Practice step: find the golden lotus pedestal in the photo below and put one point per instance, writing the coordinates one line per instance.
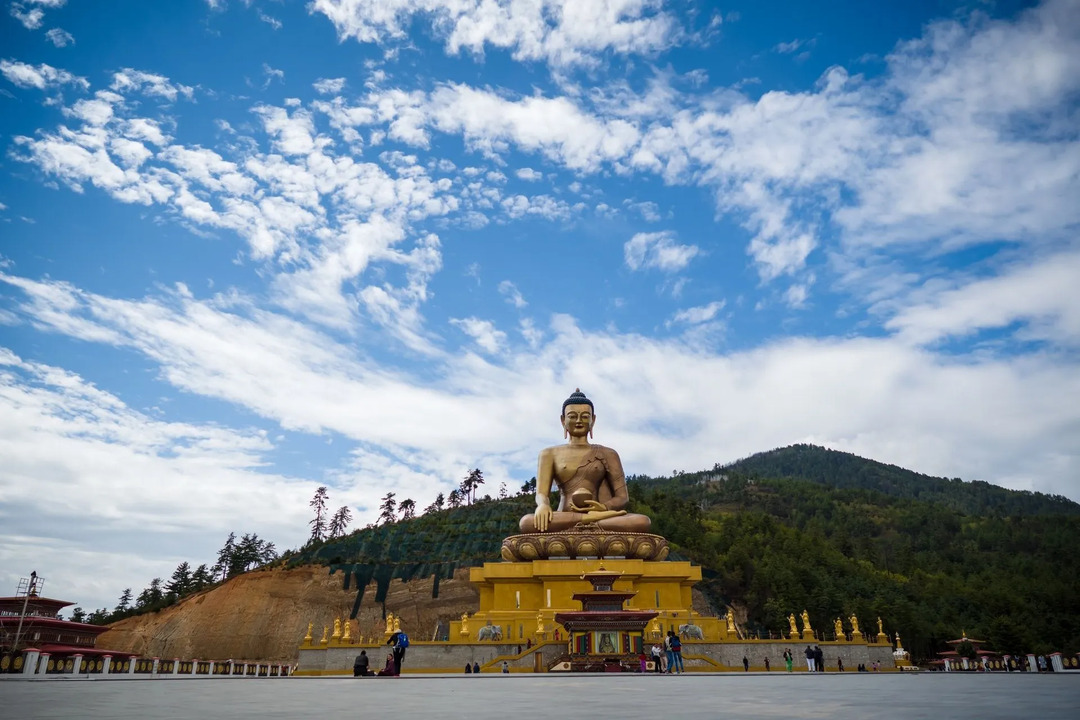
(588, 542)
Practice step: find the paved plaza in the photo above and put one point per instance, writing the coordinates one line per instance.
(776, 695)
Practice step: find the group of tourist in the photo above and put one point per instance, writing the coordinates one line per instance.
(399, 643)
(667, 658)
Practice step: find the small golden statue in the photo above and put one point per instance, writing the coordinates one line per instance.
(389, 623)
(839, 628)
(655, 627)
(592, 486)
(325, 634)
(807, 631)
(880, 627)
(854, 625)
(337, 629)
(307, 638)
(464, 623)
(731, 623)
(397, 624)
(794, 630)
(540, 630)
(346, 635)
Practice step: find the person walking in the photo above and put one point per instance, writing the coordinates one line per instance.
(506, 668)
(767, 667)
(840, 664)
(745, 664)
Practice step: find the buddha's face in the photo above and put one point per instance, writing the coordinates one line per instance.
(578, 419)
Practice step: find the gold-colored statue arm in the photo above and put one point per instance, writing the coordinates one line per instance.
(545, 471)
(617, 481)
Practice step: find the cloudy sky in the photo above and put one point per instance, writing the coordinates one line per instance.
(252, 247)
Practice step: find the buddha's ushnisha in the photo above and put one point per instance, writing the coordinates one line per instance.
(592, 486)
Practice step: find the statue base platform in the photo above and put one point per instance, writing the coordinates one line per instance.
(518, 596)
(584, 541)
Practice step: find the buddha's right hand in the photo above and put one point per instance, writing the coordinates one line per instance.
(542, 517)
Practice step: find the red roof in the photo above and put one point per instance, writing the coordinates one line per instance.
(37, 621)
(15, 604)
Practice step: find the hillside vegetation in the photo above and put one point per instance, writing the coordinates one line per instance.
(805, 527)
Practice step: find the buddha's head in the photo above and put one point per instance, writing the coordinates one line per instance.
(577, 416)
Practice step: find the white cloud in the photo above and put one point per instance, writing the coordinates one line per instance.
(559, 32)
(269, 20)
(698, 315)
(130, 80)
(657, 250)
(483, 332)
(1042, 295)
(39, 76)
(513, 296)
(529, 175)
(656, 398)
(59, 37)
(329, 86)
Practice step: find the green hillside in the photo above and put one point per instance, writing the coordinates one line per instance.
(932, 557)
(844, 470)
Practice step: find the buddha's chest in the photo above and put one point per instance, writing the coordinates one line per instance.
(581, 462)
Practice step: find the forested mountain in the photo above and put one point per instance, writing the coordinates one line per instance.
(780, 545)
(844, 470)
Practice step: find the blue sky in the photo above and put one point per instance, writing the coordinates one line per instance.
(249, 248)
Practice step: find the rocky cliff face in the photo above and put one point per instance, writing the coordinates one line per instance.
(263, 615)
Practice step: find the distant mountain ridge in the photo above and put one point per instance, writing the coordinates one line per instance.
(844, 470)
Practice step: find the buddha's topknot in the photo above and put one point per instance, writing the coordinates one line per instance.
(577, 398)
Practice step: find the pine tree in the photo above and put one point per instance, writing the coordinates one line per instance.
(225, 557)
(473, 480)
(387, 511)
(437, 505)
(454, 500)
(78, 615)
(407, 508)
(124, 604)
(318, 523)
(201, 578)
(502, 491)
(528, 487)
(340, 522)
(179, 584)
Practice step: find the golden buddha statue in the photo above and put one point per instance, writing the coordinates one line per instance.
(389, 623)
(307, 638)
(731, 623)
(806, 629)
(838, 628)
(397, 623)
(346, 634)
(592, 486)
(540, 624)
(794, 629)
(337, 629)
(854, 625)
(880, 627)
(464, 623)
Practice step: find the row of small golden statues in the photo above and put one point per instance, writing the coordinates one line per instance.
(838, 627)
(343, 631)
